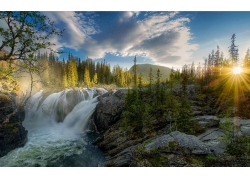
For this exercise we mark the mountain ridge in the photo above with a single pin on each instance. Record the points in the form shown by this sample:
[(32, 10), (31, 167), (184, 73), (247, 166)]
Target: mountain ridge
[(144, 69)]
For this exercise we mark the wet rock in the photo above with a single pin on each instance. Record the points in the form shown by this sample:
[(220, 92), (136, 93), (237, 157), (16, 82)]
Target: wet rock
[(109, 109), (12, 133)]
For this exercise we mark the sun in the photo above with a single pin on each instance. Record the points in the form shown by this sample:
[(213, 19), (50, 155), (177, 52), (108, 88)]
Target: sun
[(237, 70)]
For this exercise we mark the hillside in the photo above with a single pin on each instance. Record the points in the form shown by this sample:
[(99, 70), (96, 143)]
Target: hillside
[(144, 69)]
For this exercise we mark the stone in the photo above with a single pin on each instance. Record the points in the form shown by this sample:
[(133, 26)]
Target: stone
[(13, 134), (190, 143), (109, 109), (161, 143), (180, 143), (207, 121), (211, 139), (122, 159)]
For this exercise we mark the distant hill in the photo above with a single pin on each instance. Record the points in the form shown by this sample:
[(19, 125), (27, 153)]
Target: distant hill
[(144, 69)]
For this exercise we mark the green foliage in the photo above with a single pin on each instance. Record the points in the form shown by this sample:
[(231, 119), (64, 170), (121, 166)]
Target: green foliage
[(133, 110), (197, 162), (87, 78), (236, 144), (171, 146), (121, 77), (203, 160), (145, 106), (26, 32), (239, 146), (227, 127), (152, 158), (135, 73)]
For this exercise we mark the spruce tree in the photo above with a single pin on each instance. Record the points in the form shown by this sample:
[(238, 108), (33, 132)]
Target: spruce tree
[(140, 83), (247, 59), (135, 73), (233, 51), (157, 85), (150, 76), (171, 79), (86, 78), (95, 79)]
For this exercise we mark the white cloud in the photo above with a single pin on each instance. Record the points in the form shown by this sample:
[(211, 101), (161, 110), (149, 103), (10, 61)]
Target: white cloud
[(76, 28), (162, 37)]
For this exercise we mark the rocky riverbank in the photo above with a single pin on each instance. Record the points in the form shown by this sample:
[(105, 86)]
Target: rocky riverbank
[(12, 133), (162, 147)]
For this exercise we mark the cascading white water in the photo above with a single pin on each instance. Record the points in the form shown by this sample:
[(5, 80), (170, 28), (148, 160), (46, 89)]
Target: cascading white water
[(57, 127)]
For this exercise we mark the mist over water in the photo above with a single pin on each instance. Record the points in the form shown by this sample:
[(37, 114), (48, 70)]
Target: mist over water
[(58, 131)]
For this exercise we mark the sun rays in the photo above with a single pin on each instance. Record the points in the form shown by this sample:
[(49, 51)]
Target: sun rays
[(237, 70), (232, 86)]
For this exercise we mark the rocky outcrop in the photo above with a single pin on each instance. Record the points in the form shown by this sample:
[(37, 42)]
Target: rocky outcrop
[(212, 139), (161, 147), (184, 144), (109, 109), (12, 133), (207, 121), (173, 147)]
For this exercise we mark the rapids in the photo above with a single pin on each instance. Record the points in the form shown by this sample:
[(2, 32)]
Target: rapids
[(59, 131)]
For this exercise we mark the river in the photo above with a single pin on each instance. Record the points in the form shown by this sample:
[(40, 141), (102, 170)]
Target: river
[(60, 131)]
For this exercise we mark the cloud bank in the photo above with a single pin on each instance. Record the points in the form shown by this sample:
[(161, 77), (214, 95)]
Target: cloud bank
[(162, 37)]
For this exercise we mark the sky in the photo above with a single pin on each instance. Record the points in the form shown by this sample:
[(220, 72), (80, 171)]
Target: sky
[(169, 38)]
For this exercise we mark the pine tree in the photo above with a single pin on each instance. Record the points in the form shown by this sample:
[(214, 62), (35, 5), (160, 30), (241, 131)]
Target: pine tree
[(127, 77), (72, 72), (157, 85), (233, 50), (135, 73), (192, 70), (247, 59), (87, 78), (150, 76), (95, 79), (171, 79), (140, 83), (65, 76)]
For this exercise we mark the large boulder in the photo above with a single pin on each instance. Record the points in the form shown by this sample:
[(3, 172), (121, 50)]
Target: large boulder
[(109, 109), (179, 143), (212, 139), (12, 133)]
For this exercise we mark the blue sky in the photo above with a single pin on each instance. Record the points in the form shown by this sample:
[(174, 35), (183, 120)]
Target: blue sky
[(168, 38), (162, 38)]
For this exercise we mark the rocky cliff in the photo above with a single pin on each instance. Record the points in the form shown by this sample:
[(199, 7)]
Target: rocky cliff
[(163, 147), (109, 109), (12, 133)]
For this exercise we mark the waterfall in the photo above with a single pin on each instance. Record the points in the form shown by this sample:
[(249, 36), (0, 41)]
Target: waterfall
[(57, 126)]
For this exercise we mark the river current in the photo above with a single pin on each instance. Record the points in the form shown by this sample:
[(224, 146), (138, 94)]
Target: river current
[(60, 131)]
